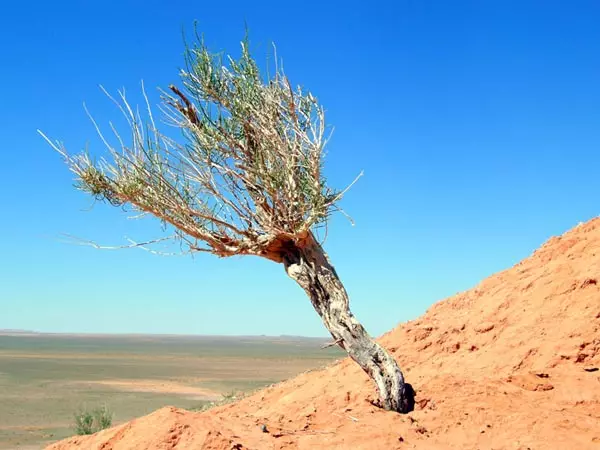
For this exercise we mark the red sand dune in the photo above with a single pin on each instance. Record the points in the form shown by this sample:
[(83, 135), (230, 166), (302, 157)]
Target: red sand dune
[(510, 364)]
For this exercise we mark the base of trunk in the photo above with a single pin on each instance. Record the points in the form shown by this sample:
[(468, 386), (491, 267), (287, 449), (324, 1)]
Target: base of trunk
[(308, 265), (403, 403)]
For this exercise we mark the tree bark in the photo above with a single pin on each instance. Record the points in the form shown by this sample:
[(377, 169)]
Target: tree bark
[(306, 262)]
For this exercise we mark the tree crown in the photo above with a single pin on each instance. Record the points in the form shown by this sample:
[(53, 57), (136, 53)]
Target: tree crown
[(246, 177)]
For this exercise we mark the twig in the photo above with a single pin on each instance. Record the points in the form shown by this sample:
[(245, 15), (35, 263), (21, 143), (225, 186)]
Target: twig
[(333, 344), (354, 419), (188, 110), (141, 245), (290, 432)]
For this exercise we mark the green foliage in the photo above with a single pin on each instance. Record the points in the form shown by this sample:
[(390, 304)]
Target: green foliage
[(276, 131), (90, 422), (103, 418), (84, 421), (247, 171), (226, 398), (229, 397)]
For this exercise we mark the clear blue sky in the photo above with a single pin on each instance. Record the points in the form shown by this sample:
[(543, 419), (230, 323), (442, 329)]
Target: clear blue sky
[(477, 124)]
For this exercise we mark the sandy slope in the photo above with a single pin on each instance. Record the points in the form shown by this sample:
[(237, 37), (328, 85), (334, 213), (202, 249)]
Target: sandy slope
[(510, 364)]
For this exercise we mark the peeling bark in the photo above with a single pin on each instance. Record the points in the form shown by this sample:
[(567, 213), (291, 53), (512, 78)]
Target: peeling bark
[(306, 263)]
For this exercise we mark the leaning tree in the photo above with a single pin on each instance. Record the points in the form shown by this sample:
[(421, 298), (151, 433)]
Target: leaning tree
[(246, 178)]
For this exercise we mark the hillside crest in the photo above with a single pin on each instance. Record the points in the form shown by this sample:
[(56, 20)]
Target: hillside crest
[(510, 364)]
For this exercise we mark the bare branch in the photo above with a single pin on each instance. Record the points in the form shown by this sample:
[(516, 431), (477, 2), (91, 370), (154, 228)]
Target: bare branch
[(133, 244), (332, 344)]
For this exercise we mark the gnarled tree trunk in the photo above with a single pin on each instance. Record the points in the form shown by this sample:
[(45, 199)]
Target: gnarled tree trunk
[(306, 262)]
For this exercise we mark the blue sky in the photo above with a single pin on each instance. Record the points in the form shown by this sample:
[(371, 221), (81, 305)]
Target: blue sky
[(477, 124)]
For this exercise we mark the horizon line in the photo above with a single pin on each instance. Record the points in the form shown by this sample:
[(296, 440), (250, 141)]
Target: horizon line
[(17, 332)]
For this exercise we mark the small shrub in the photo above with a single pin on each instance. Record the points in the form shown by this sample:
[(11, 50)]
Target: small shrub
[(226, 398), (84, 421), (103, 418), (90, 422), (229, 397)]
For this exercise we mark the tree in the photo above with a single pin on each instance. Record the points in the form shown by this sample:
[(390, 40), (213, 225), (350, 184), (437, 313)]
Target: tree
[(247, 180)]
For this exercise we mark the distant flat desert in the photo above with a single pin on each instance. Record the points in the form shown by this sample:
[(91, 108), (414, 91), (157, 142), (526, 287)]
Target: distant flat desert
[(46, 378)]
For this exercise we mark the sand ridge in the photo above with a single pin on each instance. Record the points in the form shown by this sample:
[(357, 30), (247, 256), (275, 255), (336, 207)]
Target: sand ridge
[(510, 364)]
